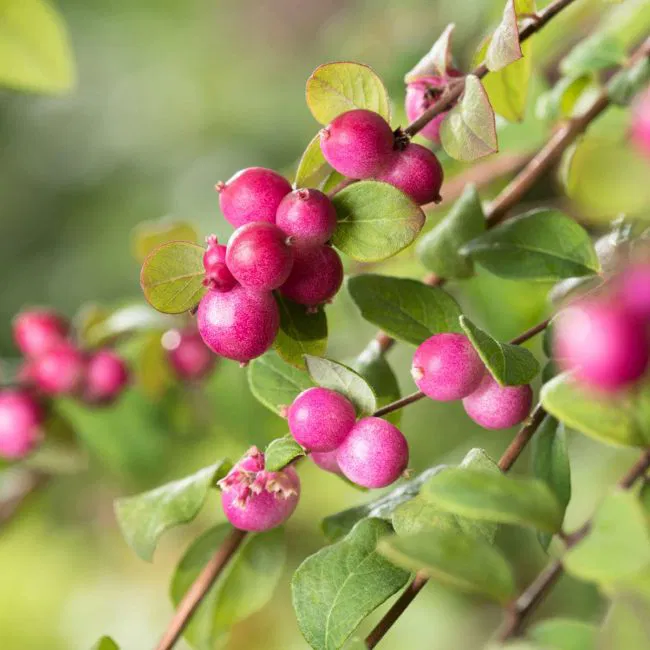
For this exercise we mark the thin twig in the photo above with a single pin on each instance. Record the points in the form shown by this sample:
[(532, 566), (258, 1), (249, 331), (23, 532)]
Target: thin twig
[(522, 438)]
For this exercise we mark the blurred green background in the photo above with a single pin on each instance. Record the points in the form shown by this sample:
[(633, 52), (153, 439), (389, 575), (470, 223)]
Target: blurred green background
[(172, 97)]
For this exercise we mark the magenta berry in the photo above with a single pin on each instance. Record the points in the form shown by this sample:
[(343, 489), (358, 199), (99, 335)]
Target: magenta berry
[(20, 423), (417, 172), (106, 377), (307, 216), (498, 407), (374, 454), (252, 194), (187, 354), (602, 342), (255, 499), (320, 419), (316, 276), (358, 144), (217, 274), (447, 367), (240, 324), (635, 290), (39, 330), (326, 460), (60, 371), (259, 256), (640, 131), (421, 95)]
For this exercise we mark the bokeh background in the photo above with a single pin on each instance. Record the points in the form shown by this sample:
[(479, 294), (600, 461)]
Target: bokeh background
[(172, 97)]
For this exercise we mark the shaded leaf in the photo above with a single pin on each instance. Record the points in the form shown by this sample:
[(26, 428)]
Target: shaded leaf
[(628, 82), (596, 52), (437, 61), (149, 235), (564, 634), (313, 169), (626, 626), (564, 97), (105, 643), (153, 373), (280, 452)]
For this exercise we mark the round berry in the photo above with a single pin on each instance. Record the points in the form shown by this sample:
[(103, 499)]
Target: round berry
[(358, 144), (60, 371), (635, 290), (498, 407), (307, 216), (39, 330), (254, 499), (240, 324), (326, 460), (640, 131), (20, 423), (417, 172), (259, 256), (447, 367), (316, 276), (374, 454), (188, 355), (252, 194), (320, 419), (217, 274), (106, 377)]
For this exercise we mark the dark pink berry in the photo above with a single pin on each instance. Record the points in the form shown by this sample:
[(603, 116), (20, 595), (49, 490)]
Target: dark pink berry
[(39, 330), (259, 256), (59, 371), (316, 276), (417, 172), (21, 417), (498, 407), (447, 367), (374, 454), (358, 144), (252, 194), (255, 499), (188, 355), (307, 216), (326, 460), (217, 274), (240, 324), (640, 131), (320, 419), (635, 290), (106, 377)]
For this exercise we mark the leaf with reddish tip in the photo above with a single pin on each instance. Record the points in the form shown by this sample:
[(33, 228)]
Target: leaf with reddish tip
[(436, 62)]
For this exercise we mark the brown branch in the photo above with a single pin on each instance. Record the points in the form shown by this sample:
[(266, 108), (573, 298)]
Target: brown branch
[(522, 438)]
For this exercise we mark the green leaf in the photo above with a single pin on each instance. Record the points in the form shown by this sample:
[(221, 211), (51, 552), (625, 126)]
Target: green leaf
[(280, 452), (564, 634), (105, 643), (245, 585), (596, 52), (455, 559), (406, 309), (143, 518), (313, 169), (375, 221), (439, 249), (344, 380), (149, 235), (301, 332), (172, 277), (436, 62), (628, 82), (487, 496), (35, 52), (153, 373), (538, 245), (626, 626), (336, 88), (275, 383), (508, 88), (510, 365), (469, 131), (504, 47), (563, 98), (335, 589)]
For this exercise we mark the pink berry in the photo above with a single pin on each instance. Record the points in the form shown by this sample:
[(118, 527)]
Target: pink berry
[(259, 256), (20, 421), (358, 144), (308, 216), (217, 274), (106, 377), (498, 407), (316, 276), (417, 172), (240, 324), (320, 419), (252, 194), (635, 290), (255, 499), (640, 131), (60, 371), (39, 330), (188, 355), (374, 454), (602, 342), (446, 367), (326, 460)]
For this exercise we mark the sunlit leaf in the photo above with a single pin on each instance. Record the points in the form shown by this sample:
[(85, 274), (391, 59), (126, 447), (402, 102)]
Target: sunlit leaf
[(280, 452)]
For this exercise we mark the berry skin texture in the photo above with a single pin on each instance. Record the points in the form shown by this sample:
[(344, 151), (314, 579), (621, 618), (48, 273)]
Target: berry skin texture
[(256, 500), (358, 144), (635, 290), (38, 331), (374, 454), (252, 194), (605, 344), (498, 407), (446, 367), (307, 216), (20, 420), (326, 460), (259, 256), (421, 95), (106, 377), (417, 172), (187, 354), (320, 419), (217, 274), (240, 324), (316, 276), (60, 371)]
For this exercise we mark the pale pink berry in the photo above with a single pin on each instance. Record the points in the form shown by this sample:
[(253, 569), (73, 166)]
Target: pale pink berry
[(316, 276), (217, 275), (187, 354), (106, 377), (320, 419), (39, 330), (59, 371), (446, 367), (252, 194), (326, 460), (417, 172), (240, 324), (635, 290), (640, 130), (374, 454), (254, 499), (308, 216), (259, 256), (21, 417), (358, 144), (498, 407)]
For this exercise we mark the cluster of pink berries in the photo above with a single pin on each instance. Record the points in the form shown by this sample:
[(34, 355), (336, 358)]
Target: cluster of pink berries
[(187, 354), (446, 367)]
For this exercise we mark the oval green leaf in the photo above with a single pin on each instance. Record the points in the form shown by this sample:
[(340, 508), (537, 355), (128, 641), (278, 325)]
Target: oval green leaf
[(313, 169), (149, 235), (564, 634), (280, 452)]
